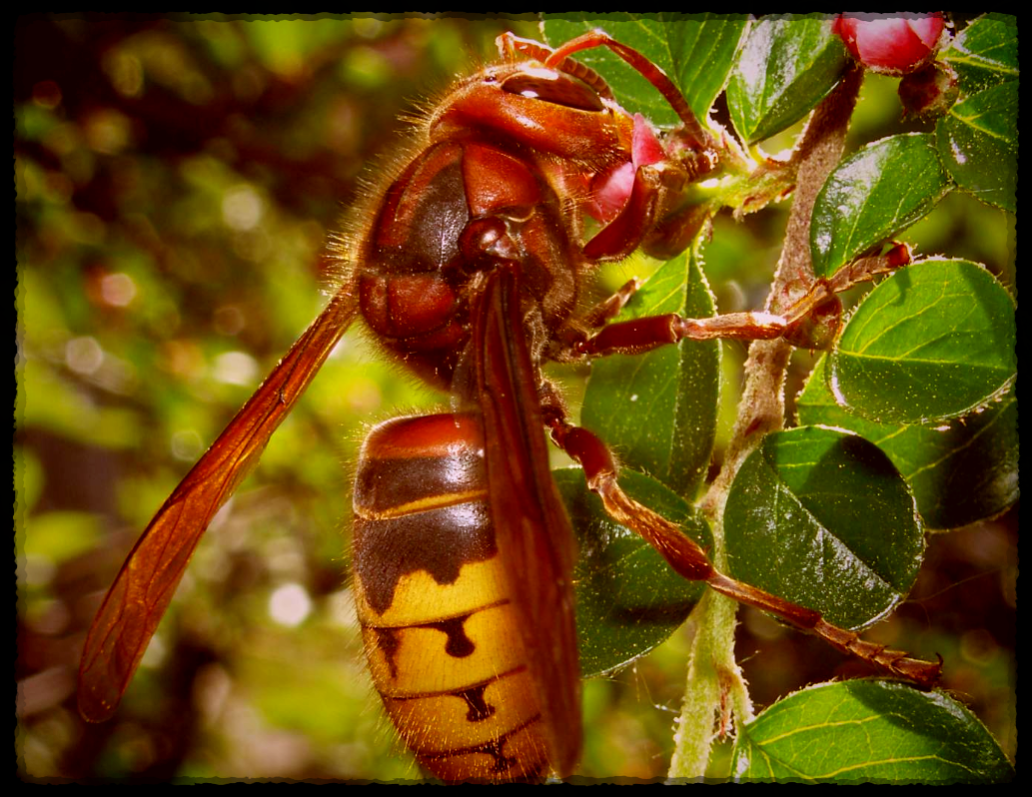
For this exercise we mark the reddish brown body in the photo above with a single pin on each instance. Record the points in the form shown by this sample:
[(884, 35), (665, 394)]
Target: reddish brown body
[(468, 270), (450, 216), (447, 632)]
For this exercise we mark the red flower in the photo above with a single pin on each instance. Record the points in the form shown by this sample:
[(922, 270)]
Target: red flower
[(893, 45)]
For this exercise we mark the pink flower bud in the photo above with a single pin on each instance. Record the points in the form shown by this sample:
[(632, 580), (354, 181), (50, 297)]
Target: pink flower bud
[(892, 45)]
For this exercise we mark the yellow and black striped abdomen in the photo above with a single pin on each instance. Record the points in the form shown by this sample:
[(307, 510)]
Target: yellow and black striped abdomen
[(441, 633)]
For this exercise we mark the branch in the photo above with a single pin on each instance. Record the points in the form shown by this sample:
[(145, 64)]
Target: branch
[(715, 680)]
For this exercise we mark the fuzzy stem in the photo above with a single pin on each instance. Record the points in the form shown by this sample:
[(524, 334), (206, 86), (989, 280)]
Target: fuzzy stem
[(715, 680)]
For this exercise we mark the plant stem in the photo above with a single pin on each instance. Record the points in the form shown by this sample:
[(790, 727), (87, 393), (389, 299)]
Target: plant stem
[(715, 686)]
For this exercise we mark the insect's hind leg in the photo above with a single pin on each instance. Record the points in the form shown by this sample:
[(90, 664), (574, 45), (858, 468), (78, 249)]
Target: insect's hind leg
[(682, 553), (689, 560)]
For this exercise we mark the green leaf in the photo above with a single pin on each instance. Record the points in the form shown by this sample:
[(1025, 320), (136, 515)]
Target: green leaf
[(283, 44), (628, 599), (787, 67), (659, 410), (822, 518), (868, 731), (62, 536), (29, 481), (934, 341), (985, 53), (961, 471), (59, 406), (696, 52), (978, 143), (875, 193)]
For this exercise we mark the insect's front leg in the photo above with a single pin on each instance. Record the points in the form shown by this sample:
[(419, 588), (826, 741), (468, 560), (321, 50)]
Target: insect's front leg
[(606, 310), (571, 336)]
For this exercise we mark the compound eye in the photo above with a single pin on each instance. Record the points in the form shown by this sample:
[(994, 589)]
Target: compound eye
[(554, 87)]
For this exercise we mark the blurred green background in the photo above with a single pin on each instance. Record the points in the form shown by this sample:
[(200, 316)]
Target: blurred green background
[(176, 180)]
